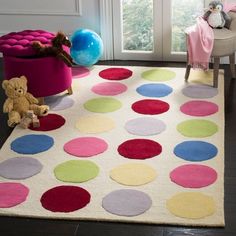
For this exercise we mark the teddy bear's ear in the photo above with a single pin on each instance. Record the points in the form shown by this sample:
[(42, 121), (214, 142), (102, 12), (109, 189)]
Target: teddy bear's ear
[(4, 84), (23, 78)]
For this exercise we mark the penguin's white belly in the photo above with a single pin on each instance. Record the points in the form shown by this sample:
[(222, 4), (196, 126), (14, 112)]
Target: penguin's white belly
[(215, 20)]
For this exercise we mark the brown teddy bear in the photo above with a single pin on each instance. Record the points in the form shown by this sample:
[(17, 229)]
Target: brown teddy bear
[(19, 101)]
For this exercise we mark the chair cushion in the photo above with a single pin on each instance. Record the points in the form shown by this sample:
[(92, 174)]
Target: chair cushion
[(224, 42), (18, 44)]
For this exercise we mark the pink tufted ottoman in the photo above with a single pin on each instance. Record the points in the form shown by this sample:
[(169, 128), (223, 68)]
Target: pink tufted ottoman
[(46, 75)]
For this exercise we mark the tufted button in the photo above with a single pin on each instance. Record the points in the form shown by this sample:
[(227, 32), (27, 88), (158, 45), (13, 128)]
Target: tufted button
[(18, 44)]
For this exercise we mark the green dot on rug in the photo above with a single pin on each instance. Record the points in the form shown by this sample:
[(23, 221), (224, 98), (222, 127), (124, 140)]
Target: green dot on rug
[(76, 171), (197, 128), (103, 105), (158, 75)]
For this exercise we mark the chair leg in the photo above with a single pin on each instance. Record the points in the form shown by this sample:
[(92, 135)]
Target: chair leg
[(70, 91), (187, 71), (232, 65), (216, 71)]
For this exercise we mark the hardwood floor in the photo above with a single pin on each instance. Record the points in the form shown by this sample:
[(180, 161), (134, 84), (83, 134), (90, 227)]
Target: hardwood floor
[(10, 226)]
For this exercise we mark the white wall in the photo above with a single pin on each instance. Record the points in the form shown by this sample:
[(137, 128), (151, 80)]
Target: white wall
[(53, 15)]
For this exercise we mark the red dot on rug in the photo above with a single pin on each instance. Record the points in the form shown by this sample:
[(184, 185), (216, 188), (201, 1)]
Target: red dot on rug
[(115, 73), (49, 122), (150, 107), (139, 149), (65, 199)]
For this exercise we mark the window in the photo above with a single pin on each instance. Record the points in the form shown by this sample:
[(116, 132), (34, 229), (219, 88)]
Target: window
[(153, 29)]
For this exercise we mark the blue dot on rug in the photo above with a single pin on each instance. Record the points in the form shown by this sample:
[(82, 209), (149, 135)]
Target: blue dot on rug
[(154, 90), (32, 144), (195, 151)]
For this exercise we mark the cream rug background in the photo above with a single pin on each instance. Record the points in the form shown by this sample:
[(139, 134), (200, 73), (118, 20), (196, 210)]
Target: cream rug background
[(159, 190)]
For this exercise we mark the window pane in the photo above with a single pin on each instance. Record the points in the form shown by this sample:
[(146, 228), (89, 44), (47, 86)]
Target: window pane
[(184, 13), (137, 16)]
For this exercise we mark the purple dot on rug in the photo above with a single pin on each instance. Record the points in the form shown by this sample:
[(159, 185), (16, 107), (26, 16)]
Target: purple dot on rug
[(199, 108), (85, 146), (12, 194), (145, 126), (193, 176), (154, 90), (32, 144), (109, 88), (20, 168), (200, 91), (57, 103), (126, 202), (79, 72), (195, 151)]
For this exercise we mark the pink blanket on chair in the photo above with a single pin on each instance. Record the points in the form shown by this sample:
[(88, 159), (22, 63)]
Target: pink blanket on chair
[(200, 43)]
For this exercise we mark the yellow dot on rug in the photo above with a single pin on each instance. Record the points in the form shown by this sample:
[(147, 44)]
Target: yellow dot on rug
[(191, 205), (93, 124), (199, 76), (133, 174)]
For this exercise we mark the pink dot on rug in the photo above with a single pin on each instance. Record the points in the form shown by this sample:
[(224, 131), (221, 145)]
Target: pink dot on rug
[(139, 149), (65, 199), (150, 107), (12, 194), (199, 108), (109, 88), (79, 72), (85, 146), (115, 73), (193, 176), (49, 122)]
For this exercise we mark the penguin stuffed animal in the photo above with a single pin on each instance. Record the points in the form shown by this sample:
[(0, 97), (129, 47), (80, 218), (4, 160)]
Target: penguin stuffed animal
[(215, 16)]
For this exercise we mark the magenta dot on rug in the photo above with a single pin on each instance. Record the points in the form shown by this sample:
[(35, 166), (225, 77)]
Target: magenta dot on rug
[(12, 194), (85, 146), (199, 108), (109, 88), (79, 72), (193, 176), (49, 122), (150, 107), (65, 199), (139, 149), (115, 74)]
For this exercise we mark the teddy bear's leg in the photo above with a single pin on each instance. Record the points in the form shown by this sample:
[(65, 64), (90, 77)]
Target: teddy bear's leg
[(14, 118), (39, 110)]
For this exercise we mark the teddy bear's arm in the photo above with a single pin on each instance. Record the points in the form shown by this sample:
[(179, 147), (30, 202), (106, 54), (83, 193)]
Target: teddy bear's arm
[(8, 105), (31, 98)]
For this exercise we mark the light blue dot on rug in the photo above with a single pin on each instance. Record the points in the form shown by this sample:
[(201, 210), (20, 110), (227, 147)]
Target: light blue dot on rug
[(58, 102), (154, 90), (32, 144), (195, 151)]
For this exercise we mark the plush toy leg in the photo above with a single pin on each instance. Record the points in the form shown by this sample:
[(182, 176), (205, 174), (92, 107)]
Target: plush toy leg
[(39, 110), (14, 118)]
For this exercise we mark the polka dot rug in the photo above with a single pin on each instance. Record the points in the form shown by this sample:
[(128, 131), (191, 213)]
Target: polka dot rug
[(131, 144)]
